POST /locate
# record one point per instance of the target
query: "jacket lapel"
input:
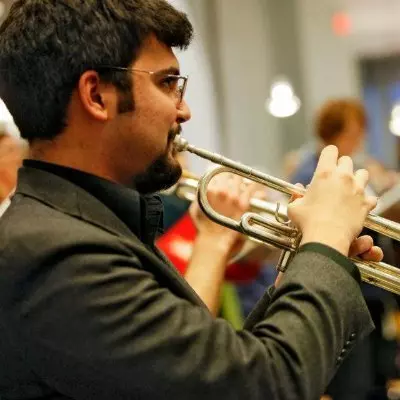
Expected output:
(70, 199)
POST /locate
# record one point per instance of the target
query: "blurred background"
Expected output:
(323, 48)
(266, 77)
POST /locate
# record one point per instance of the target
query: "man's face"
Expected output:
(142, 140)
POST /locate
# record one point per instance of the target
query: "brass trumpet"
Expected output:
(188, 184)
(186, 188)
(277, 230)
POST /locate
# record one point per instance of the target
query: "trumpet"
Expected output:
(186, 188)
(277, 230)
(188, 184)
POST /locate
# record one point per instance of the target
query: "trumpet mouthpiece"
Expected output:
(180, 143)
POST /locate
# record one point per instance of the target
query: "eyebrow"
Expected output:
(169, 71)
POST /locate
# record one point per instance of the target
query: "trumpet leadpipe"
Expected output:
(373, 222)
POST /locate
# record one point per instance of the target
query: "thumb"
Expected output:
(194, 210)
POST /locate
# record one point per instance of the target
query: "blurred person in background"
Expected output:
(12, 152)
(217, 284)
(343, 123)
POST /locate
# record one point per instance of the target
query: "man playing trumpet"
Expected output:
(90, 309)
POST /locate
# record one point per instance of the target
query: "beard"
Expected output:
(162, 173)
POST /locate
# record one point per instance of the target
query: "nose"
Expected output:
(184, 113)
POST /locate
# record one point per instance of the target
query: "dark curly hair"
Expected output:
(46, 45)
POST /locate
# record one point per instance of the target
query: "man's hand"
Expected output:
(229, 195)
(214, 246)
(362, 247)
(335, 206)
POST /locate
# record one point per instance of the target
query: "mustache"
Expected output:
(173, 133)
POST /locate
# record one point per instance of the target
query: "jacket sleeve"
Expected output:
(95, 322)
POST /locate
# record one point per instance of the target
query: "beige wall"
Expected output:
(240, 47)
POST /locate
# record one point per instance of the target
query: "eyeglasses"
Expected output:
(174, 85)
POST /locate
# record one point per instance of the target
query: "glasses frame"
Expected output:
(182, 90)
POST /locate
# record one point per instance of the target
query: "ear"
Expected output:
(98, 99)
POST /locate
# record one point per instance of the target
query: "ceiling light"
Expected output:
(282, 102)
(394, 123)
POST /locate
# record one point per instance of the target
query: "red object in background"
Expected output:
(177, 245)
(341, 24)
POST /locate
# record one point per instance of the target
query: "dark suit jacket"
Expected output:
(87, 311)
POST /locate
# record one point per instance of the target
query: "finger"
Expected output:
(361, 245)
(375, 254)
(278, 279)
(224, 179)
(362, 177)
(260, 195)
(224, 184)
(345, 165)
(371, 201)
(246, 194)
(327, 160)
(213, 183)
(235, 186)
(255, 190)
(296, 196)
